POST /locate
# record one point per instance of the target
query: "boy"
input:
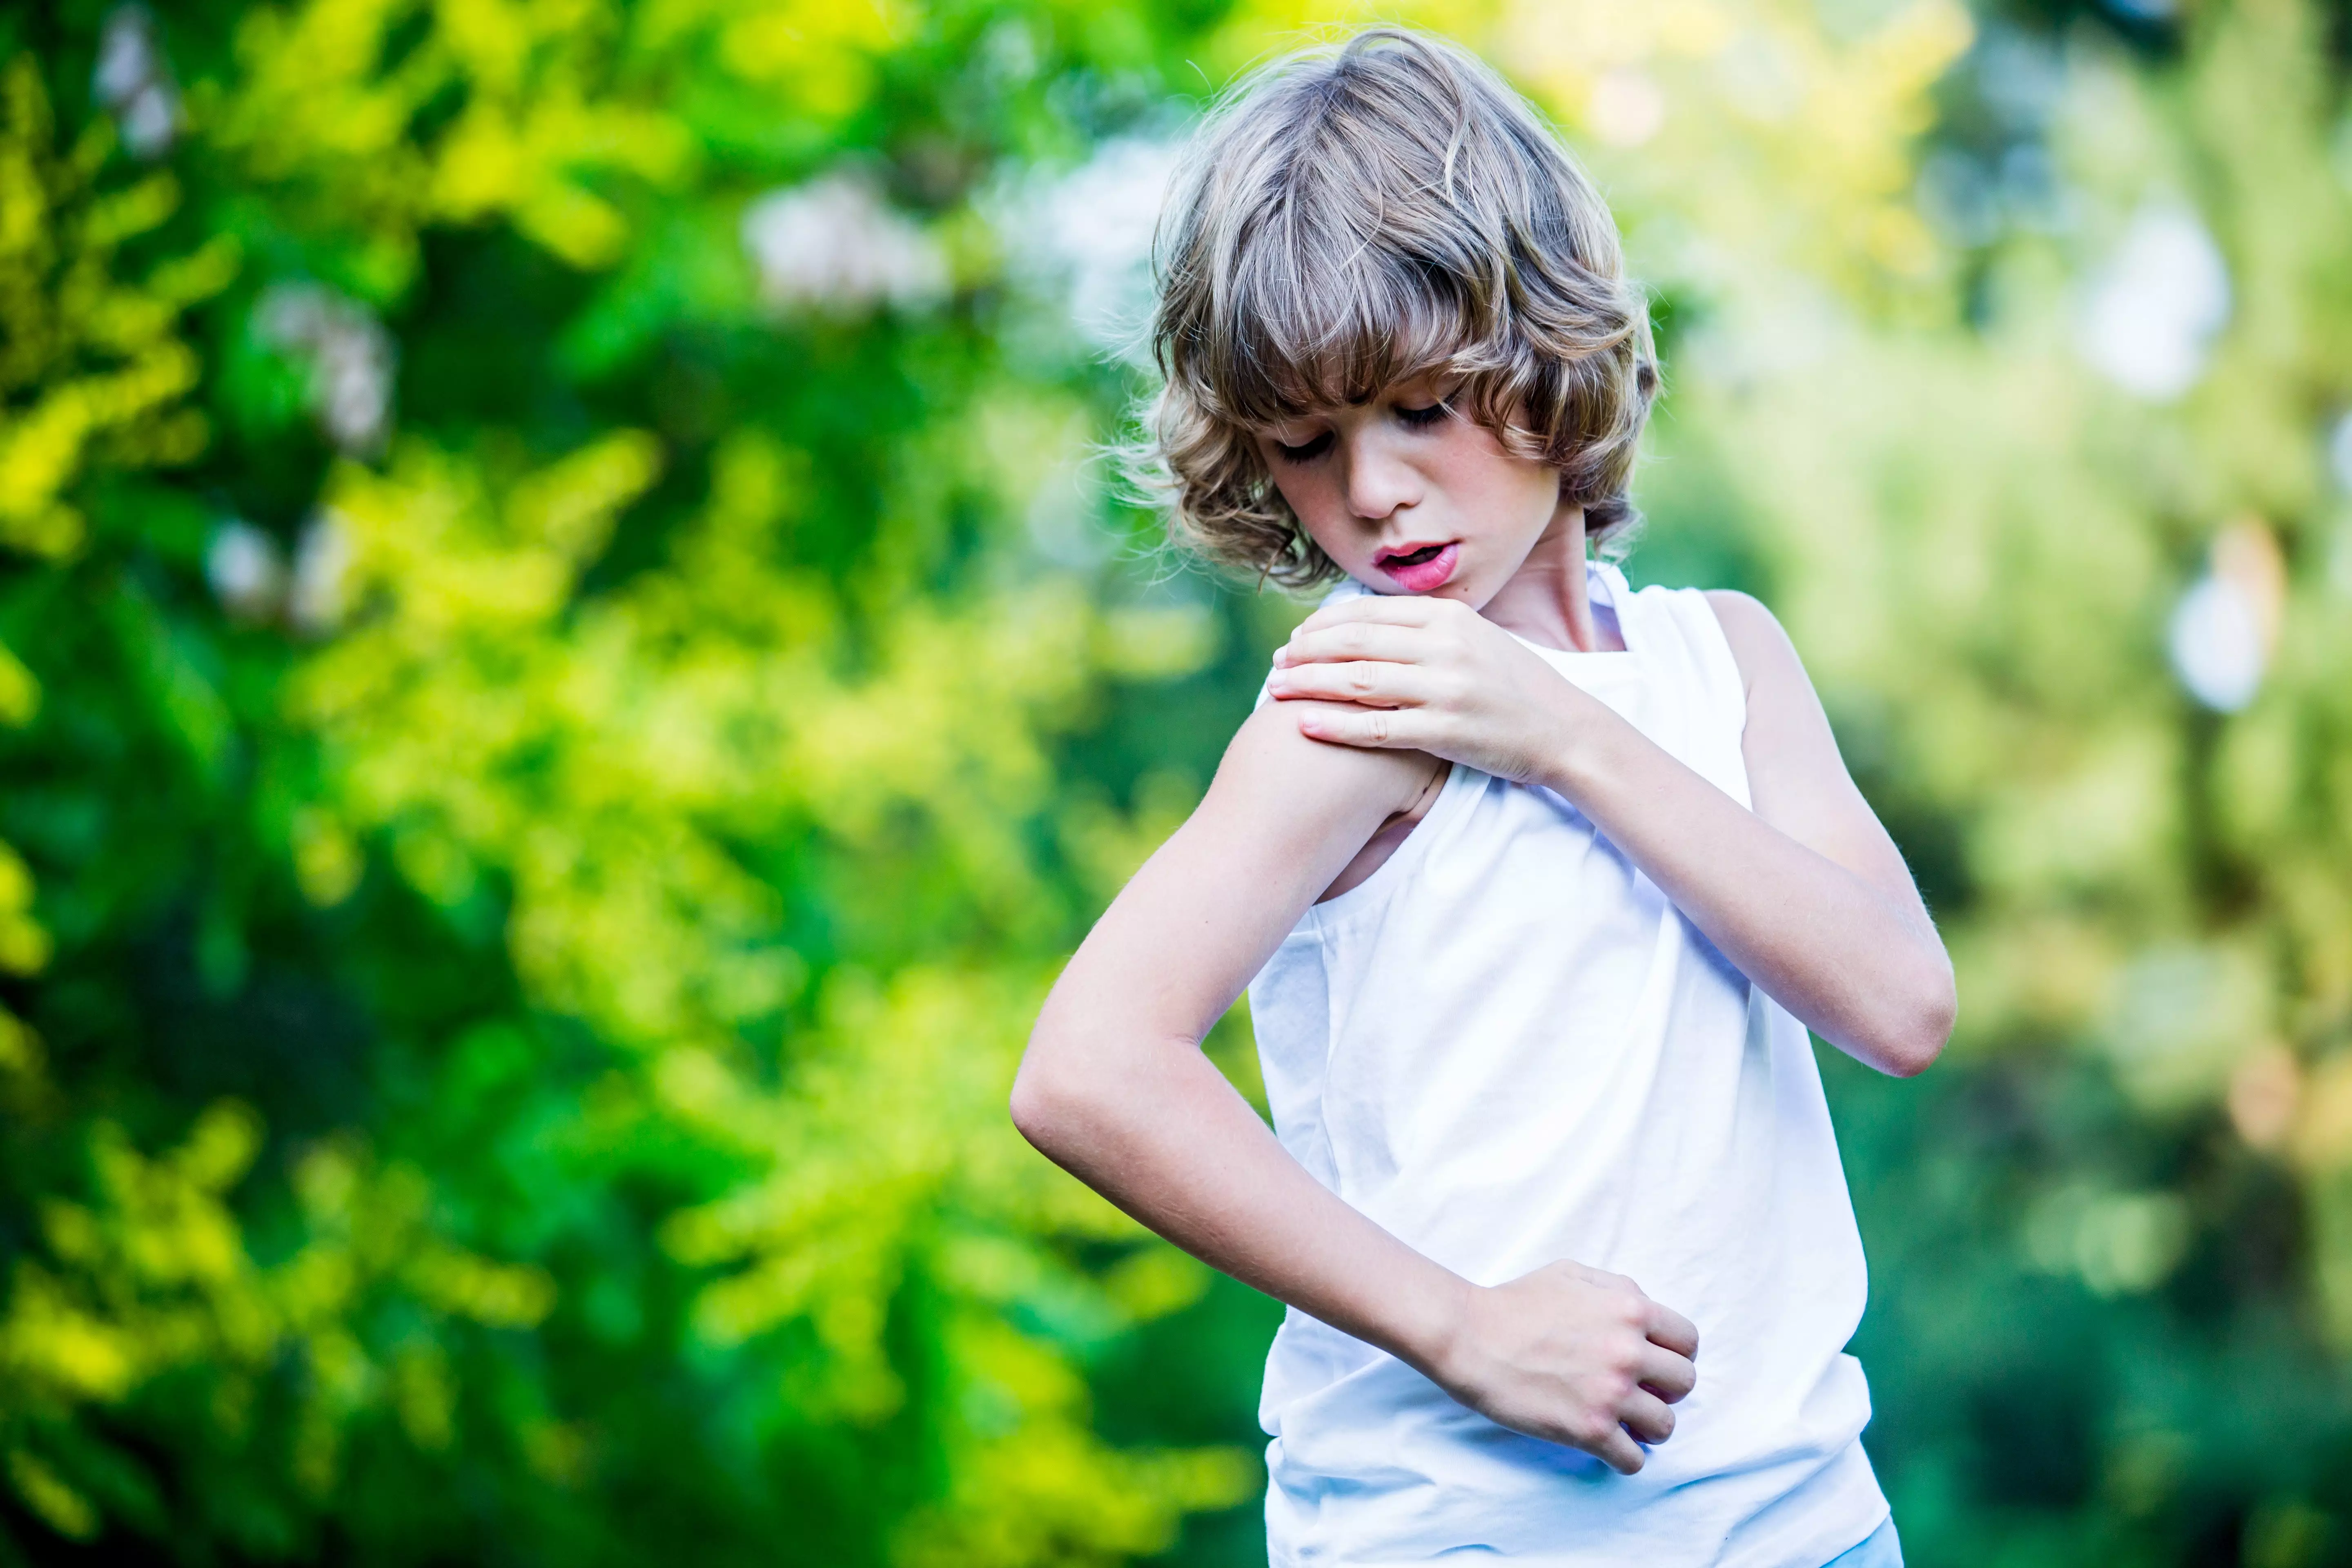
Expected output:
(1540, 881)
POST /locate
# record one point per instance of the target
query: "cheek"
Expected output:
(1535, 490)
(1496, 487)
(1314, 501)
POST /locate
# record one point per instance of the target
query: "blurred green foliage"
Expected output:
(568, 672)
(537, 777)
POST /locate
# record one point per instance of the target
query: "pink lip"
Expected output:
(1420, 576)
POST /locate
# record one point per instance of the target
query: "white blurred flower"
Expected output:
(350, 356)
(2154, 309)
(1627, 107)
(1008, 52)
(2227, 623)
(1085, 236)
(130, 79)
(2217, 648)
(246, 575)
(316, 599)
(149, 121)
(834, 245)
(2339, 451)
(126, 56)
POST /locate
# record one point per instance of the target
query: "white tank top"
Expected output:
(1508, 1046)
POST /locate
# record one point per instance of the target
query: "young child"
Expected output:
(1541, 881)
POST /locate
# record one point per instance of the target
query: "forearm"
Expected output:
(1806, 893)
(1114, 1088)
(1564, 1353)
(1842, 955)
(1156, 1129)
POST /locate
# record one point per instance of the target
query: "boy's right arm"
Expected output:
(1113, 1088)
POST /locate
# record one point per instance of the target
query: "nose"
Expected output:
(1380, 481)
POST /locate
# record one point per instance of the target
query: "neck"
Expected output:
(1547, 601)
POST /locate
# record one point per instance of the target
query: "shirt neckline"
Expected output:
(1603, 584)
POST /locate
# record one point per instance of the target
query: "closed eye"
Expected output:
(1421, 418)
(1307, 452)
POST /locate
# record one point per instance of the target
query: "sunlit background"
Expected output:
(571, 663)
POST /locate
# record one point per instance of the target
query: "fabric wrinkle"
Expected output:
(1525, 1052)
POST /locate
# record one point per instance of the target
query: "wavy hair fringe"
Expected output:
(1358, 215)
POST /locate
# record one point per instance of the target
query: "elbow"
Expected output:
(1049, 1104)
(1035, 1105)
(1912, 1045)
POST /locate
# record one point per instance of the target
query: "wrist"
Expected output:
(1575, 757)
(1434, 1332)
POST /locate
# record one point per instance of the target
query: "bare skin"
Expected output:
(1805, 893)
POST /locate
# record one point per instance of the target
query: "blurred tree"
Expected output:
(566, 675)
(531, 706)
(2009, 352)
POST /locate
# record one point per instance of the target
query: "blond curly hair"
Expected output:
(1358, 215)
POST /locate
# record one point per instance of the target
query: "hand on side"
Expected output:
(1573, 1355)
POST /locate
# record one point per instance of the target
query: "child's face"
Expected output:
(1410, 497)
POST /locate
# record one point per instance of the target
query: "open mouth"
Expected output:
(1422, 569)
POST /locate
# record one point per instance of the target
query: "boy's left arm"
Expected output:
(1805, 892)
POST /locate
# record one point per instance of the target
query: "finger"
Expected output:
(1666, 1375)
(1669, 1327)
(1351, 641)
(1374, 684)
(1645, 1416)
(1350, 724)
(1393, 609)
(1620, 1452)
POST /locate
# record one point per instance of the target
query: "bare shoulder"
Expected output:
(1762, 648)
(1794, 771)
(1284, 818)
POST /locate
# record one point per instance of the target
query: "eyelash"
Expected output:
(1307, 452)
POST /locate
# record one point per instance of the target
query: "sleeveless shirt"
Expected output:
(1508, 1046)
